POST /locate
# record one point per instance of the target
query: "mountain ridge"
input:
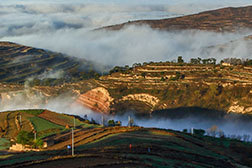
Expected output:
(228, 19)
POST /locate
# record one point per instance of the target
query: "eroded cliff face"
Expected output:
(100, 100)
(236, 108)
(97, 99)
(148, 99)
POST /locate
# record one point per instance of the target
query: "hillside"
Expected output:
(20, 63)
(117, 146)
(220, 20)
(157, 86)
(149, 88)
(43, 122)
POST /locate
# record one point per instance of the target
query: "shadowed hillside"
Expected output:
(19, 63)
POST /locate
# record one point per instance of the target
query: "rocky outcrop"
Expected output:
(20, 148)
(97, 99)
(236, 108)
(146, 98)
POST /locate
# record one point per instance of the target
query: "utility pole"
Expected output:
(74, 122)
(102, 122)
(20, 120)
(129, 121)
(192, 131)
(72, 142)
(35, 135)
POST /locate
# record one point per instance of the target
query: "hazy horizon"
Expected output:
(66, 27)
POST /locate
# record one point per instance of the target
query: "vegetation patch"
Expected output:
(4, 143)
(32, 112)
(41, 124)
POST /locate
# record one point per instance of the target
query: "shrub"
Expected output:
(38, 144)
(25, 138)
(111, 123)
(200, 132)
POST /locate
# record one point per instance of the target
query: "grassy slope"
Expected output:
(4, 143)
(150, 148)
(42, 124)
(44, 127)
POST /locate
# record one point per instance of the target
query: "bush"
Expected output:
(38, 144)
(25, 138)
(199, 132)
(111, 123)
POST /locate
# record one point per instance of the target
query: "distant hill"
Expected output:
(19, 63)
(220, 20)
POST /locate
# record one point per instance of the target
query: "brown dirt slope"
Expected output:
(220, 20)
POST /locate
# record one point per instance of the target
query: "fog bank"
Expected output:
(66, 26)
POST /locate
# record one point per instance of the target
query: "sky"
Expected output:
(67, 27)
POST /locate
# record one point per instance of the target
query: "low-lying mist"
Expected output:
(138, 44)
(67, 27)
(230, 124)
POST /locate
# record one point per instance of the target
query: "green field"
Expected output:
(43, 125)
(4, 143)
(32, 112)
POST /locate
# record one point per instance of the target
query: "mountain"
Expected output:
(20, 63)
(220, 20)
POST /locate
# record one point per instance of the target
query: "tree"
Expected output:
(111, 123)
(213, 131)
(25, 138)
(246, 137)
(194, 61)
(199, 132)
(184, 130)
(38, 143)
(143, 74)
(180, 59)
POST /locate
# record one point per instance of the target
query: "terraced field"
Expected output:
(220, 20)
(137, 147)
(160, 86)
(18, 63)
(11, 123)
(62, 120)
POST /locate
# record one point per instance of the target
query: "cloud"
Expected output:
(66, 27)
(230, 124)
(138, 44)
